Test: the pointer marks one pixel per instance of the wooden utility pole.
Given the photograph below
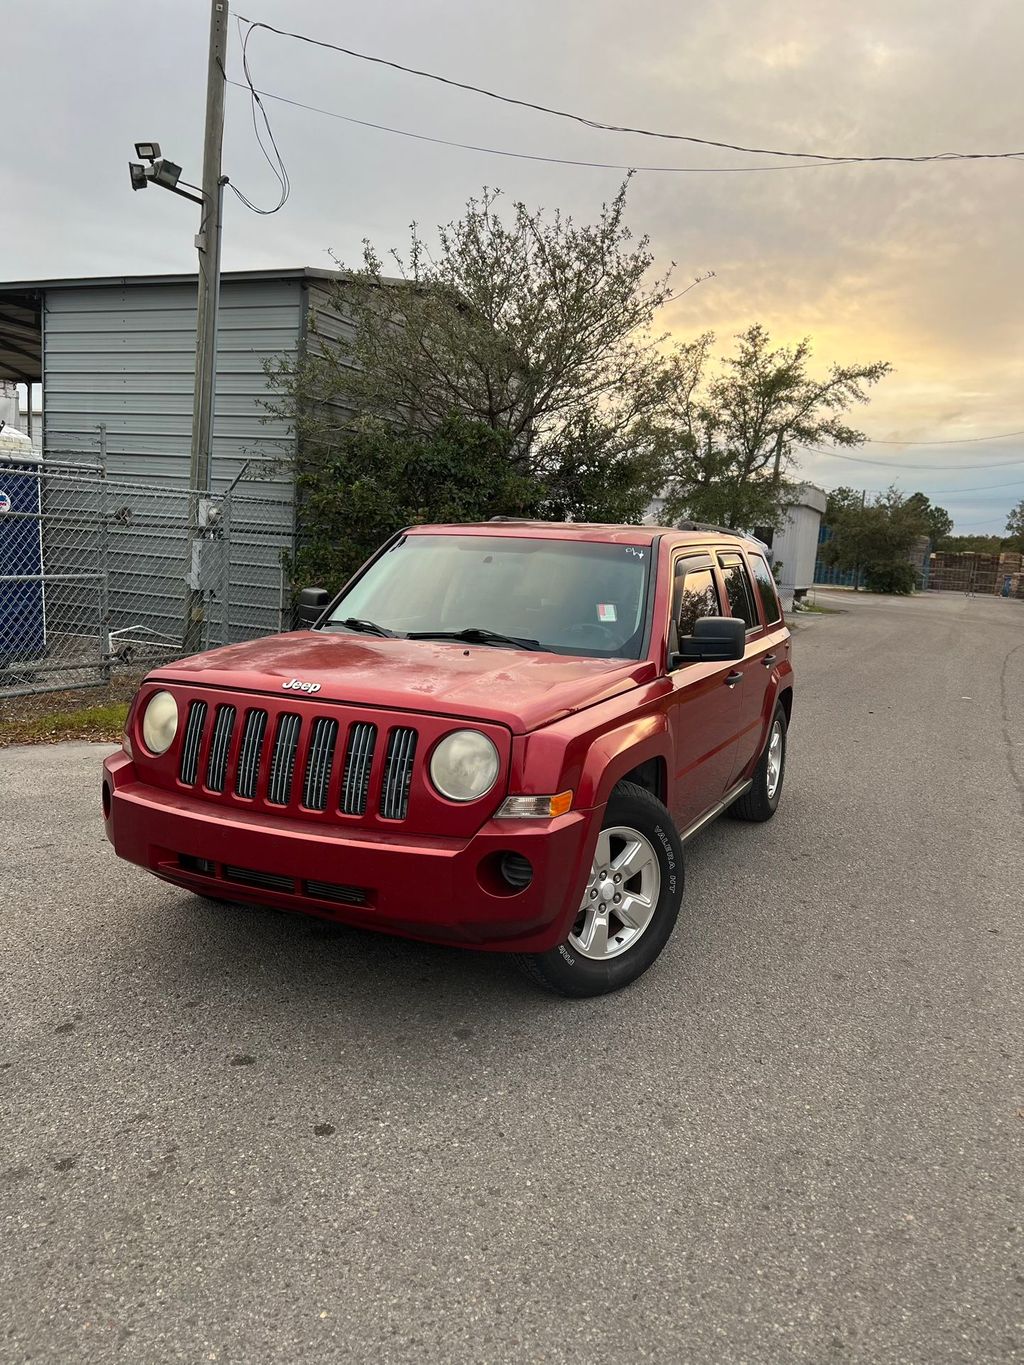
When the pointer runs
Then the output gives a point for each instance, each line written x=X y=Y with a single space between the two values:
x=208 y=247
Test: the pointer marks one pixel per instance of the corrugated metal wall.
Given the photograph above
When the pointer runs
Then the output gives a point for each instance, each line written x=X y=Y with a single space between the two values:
x=124 y=356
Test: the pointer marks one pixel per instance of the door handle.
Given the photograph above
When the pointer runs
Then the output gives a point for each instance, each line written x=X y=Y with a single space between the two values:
x=731 y=679
x=768 y=660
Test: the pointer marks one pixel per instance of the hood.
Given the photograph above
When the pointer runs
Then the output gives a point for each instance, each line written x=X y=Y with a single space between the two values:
x=519 y=689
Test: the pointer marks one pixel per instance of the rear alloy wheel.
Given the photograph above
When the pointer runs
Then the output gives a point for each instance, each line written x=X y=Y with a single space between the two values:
x=761 y=800
x=629 y=906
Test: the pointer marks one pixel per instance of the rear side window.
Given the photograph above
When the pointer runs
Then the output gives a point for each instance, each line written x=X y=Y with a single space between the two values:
x=766 y=587
x=739 y=590
x=695 y=595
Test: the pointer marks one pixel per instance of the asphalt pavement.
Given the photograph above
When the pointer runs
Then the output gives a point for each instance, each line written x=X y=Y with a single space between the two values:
x=244 y=1136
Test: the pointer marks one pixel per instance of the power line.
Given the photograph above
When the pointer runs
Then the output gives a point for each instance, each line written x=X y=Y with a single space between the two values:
x=963 y=441
x=614 y=127
x=275 y=162
x=897 y=464
x=532 y=156
x=954 y=492
x=981 y=488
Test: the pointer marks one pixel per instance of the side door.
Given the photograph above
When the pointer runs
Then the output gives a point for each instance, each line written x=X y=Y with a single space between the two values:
x=757 y=685
x=704 y=710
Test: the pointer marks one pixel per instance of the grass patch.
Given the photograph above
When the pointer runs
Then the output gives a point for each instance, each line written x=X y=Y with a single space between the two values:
x=820 y=611
x=88 y=722
x=95 y=713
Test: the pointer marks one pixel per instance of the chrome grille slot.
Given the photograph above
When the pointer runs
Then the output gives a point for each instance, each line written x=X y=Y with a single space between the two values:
x=355 y=784
x=282 y=759
x=217 y=763
x=191 y=743
x=250 y=753
x=318 y=763
x=394 y=796
x=270 y=881
x=333 y=891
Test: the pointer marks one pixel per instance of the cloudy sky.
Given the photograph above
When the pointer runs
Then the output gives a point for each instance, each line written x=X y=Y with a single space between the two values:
x=920 y=265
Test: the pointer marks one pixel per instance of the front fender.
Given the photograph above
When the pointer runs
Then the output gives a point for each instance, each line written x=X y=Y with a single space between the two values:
x=589 y=752
x=616 y=752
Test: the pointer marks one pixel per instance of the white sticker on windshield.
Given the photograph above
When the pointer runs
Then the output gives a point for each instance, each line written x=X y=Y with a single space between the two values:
x=606 y=611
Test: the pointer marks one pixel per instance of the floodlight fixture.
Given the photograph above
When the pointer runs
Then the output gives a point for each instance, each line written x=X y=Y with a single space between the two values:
x=160 y=171
x=165 y=173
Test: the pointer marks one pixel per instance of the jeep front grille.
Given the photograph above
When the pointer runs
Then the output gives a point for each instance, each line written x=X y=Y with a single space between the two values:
x=285 y=758
x=394 y=796
x=282 y=759
x=217 y=763
x=250 y=753
x=318 y=762
x=191 y=742
x=355 y=784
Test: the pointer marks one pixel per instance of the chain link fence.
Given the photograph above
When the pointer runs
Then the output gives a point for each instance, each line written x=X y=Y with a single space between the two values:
x=95 y=568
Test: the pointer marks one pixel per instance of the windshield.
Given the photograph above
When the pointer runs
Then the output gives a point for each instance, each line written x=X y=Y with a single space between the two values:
x=570 y=596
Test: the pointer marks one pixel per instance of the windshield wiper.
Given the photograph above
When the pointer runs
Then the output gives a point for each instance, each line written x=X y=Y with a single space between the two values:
x=367 y=627
x=476 y=635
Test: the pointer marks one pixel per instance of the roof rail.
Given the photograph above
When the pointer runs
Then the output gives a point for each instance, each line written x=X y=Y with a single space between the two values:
x=707 y=526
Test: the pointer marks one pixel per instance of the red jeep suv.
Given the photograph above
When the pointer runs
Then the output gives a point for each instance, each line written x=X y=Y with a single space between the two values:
x=497 y=735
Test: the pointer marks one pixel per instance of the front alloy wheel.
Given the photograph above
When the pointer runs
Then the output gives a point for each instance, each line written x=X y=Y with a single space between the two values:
x=629 y=906
x=621 y=896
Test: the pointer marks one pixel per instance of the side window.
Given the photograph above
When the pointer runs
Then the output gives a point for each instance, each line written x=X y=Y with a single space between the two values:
x=695 y=594
x=739 y=590
x=766 y=587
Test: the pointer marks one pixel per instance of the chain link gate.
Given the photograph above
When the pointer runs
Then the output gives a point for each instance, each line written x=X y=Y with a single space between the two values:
x=94 y=566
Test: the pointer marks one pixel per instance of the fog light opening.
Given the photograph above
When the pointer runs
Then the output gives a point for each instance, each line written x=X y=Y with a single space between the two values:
x=505 y=873
x=517 y=870
x=106 y=800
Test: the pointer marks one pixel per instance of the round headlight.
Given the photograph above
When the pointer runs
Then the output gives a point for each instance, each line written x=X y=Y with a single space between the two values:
x=464 y=765
x=160 y=722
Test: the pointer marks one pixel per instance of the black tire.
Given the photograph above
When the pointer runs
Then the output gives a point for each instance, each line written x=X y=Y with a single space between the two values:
x=756 y=804
x=565 y=969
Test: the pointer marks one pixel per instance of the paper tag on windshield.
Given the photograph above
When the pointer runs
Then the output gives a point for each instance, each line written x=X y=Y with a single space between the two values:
x=606 y=611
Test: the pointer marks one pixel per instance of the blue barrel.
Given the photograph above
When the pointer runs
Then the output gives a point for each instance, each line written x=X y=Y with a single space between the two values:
x=22 y=605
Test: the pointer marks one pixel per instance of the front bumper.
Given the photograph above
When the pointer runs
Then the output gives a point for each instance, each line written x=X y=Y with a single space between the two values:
x=446 y=890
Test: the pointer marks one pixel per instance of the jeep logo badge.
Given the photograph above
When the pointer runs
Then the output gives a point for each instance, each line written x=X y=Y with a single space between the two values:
x=297 y=686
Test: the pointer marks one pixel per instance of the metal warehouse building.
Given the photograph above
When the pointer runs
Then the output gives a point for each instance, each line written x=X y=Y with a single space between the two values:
x=116 y=361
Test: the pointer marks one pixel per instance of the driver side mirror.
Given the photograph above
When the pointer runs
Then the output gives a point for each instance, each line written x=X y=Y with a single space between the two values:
x=310 y=606
x=715 y=639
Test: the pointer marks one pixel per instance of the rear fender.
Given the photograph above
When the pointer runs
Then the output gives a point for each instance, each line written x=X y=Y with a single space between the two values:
x=782 y=680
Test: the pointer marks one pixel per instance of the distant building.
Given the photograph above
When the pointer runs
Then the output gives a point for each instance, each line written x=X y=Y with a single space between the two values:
x=794 y=547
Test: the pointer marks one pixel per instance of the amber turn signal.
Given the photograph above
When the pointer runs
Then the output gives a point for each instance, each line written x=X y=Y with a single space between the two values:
x=534 y=807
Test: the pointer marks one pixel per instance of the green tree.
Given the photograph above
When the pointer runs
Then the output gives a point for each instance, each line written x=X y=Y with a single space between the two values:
x=532 y=326
x=875 y=537
x=985 y=545
x=937 y=520
x=375 y=480
x=731 y=434
x=1015 y=527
